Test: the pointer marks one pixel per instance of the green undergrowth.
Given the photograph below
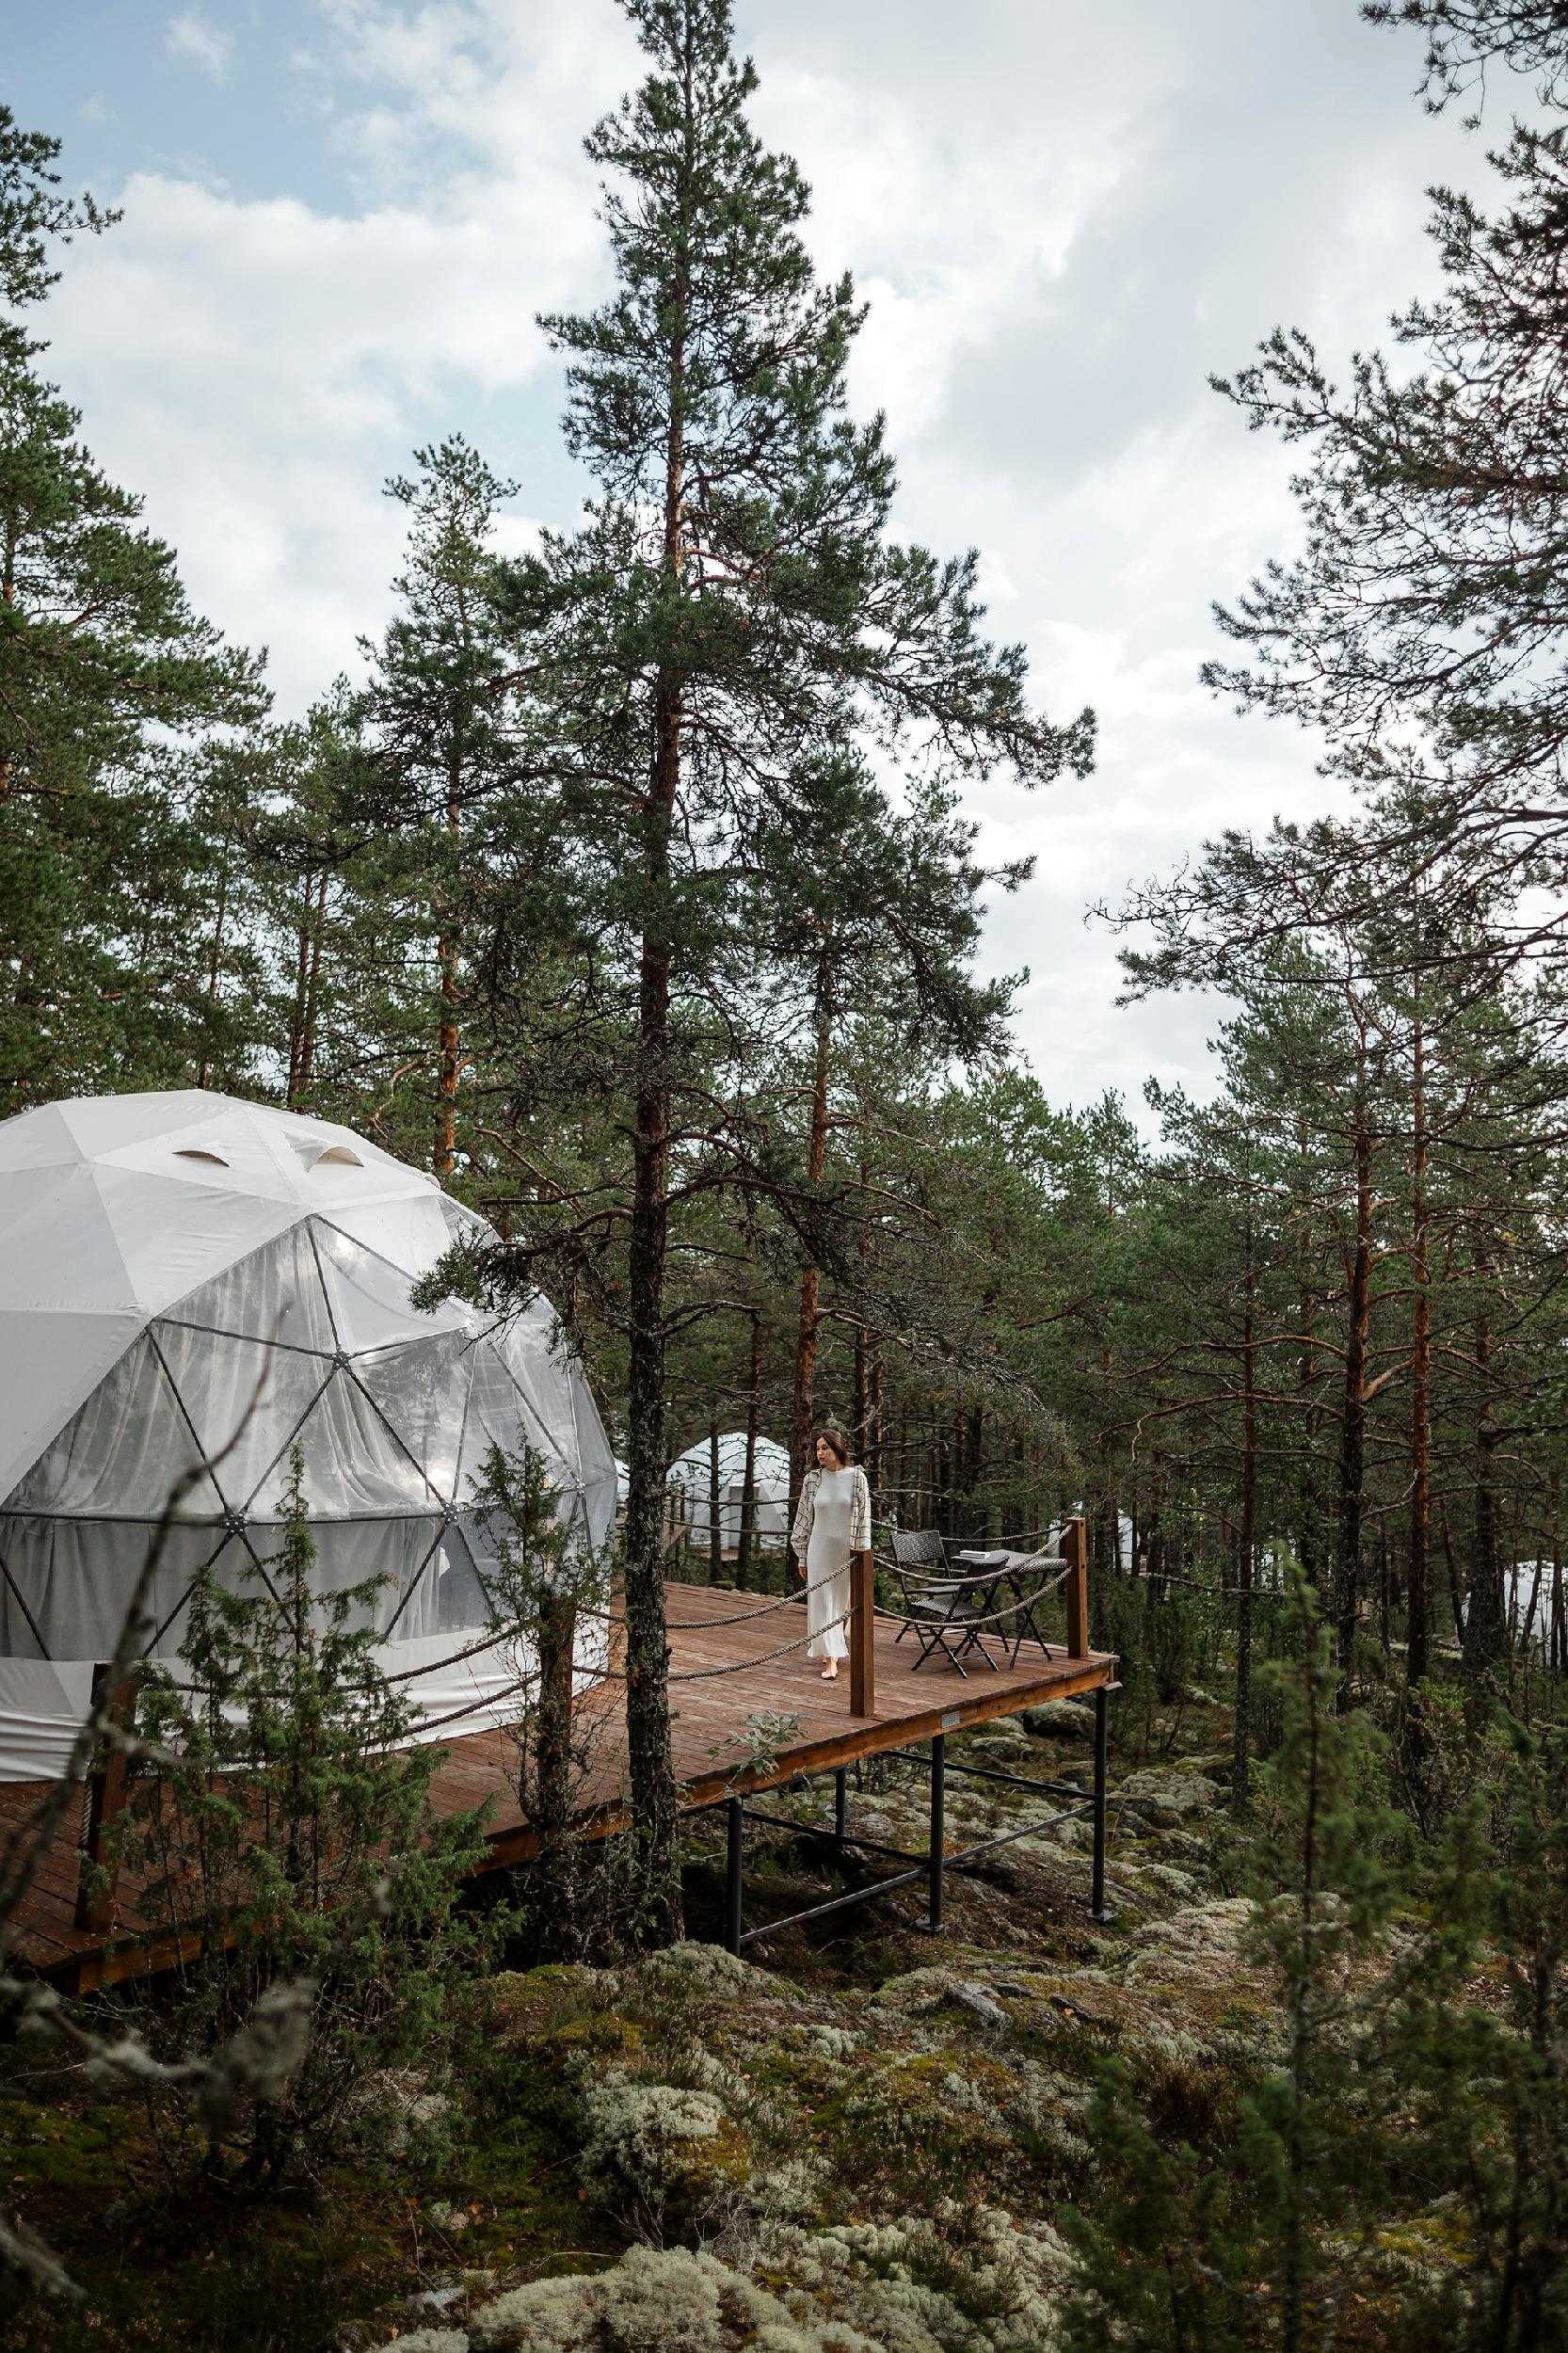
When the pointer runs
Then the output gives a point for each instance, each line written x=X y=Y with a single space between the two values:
x=174 y=2267
x=888 y=2139
x=693 y=2101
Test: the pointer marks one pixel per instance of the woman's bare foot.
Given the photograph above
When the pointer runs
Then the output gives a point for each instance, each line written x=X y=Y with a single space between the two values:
x=830 y=1672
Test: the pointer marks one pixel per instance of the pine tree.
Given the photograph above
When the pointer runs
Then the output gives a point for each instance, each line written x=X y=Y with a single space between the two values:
x=1421 y=626
x=105 y=675
x=1259 y=2240
x=451 y=781
x=731 y=608
x=281 y=1831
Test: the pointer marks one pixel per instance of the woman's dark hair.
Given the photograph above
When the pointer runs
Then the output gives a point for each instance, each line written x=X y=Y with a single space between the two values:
x=840 y=1444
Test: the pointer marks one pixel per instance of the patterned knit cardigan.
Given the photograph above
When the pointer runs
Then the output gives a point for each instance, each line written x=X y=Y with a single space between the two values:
x=859 y=1514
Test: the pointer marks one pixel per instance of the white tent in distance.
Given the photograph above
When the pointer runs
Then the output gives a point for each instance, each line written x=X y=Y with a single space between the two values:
x=690 y=1479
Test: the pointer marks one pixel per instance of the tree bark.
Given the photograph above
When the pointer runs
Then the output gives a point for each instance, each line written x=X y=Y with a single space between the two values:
x=1556 y=1650
x=215 y=968
x=873 y=1449
x=804 y=1395
x=748 y=1484
x=1483 y=1617
x=1418 y=1592
x=302 y=1044
x=647 y=1725
x=448 y=1041
x=649 y=1762
x=1242 y=1740
x=1353 y=1427
x=716 y=1521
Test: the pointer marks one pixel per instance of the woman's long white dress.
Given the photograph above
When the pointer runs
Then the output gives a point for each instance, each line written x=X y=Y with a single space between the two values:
x=833 y=1522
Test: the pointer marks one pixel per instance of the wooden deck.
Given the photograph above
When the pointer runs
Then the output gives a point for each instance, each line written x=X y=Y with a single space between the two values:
x=710 y=1714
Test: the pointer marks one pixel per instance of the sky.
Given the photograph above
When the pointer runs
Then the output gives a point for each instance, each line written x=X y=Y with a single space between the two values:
x=340 y=217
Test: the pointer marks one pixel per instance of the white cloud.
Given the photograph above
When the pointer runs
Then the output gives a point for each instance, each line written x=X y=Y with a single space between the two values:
x=1064 y=219
x=193 y=42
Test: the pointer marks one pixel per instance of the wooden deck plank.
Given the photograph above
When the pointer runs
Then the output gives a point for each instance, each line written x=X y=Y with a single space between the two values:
x=708 y=1712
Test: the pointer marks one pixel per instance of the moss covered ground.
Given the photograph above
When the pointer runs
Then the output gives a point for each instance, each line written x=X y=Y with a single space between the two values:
x=864 y=2137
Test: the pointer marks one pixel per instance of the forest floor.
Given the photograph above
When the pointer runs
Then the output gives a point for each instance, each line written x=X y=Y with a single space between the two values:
x=868 y=2138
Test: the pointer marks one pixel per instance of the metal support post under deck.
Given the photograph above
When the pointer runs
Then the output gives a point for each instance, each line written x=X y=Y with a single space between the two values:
x=1102 y=1712
x=932 y=1923
x=733 y=1856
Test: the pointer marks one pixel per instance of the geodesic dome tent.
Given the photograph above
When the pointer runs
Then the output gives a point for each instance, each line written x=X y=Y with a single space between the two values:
x=692 y=1472
x=170 y=1263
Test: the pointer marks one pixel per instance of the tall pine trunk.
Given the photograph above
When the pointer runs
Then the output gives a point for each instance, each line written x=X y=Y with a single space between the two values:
x=647 y=1718
x=1352 y=1426
x=1483 y=1616
x=649 y=1762
x=214 y=971
x=448 y=1041
x=1556 y=1649
x=1418 y=1595
x=302 y=1042
x=1246 y=1549
x=748 y=1484
x=803 y=1397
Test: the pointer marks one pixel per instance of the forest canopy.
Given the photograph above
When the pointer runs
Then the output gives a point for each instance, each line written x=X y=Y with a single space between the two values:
x=633 y=886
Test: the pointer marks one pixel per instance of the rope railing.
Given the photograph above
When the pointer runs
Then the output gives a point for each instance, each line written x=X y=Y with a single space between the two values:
x=953 y=1581
x=973 y=1626
x=735 y=1666
x=701 y=1626
x=947 y=1584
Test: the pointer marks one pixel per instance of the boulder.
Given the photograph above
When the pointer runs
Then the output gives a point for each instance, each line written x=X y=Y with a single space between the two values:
x=1204 y=1946
x=1060 y=1720
x=975 y=1999
x=997 y=1748
x=1180 y=1848
x=1166 y=1799
x=1165 y=1880
x=668 y=2299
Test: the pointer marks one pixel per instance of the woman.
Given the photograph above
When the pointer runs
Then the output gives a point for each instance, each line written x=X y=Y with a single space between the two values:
x=833 y=1522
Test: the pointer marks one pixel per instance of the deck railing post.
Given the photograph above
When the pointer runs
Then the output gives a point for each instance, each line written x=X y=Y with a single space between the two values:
x=105 y=1798
x=1075 y=1549
x=616 y=1658
x=734 y=1855
x=937 y=1855
x=1096 y=1891
x=862 y=1635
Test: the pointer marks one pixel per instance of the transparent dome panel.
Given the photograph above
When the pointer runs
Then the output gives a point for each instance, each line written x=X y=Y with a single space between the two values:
x=122 y=1453
x=423 y=1390
x=68 y=1584
x=462 y=1604
x=391 y=1566
x=274 y=1293
x=542 y=1368
x=356 y=1465
x=500 y=1415
x=245 y=1402
x=370 y=1297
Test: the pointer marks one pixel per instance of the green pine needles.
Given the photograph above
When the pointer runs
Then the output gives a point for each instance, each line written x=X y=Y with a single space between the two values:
x=548 y=1587
x=1391 y=2167
x=285 y=1848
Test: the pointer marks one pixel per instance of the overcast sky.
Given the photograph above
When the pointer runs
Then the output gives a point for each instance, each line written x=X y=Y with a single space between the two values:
x=342 y=215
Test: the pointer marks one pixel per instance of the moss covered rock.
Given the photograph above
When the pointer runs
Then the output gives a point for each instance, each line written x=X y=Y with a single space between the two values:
x=656 y=2300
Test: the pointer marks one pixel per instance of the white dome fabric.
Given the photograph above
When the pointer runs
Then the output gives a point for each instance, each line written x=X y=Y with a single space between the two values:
x=690 y=1472
x=170 y=1263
